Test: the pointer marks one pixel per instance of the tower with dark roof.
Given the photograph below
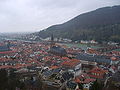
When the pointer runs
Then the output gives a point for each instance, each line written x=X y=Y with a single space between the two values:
x=55 y=49
x=52 y=41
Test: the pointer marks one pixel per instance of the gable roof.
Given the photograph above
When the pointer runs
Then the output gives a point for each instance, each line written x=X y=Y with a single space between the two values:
x=91 y=58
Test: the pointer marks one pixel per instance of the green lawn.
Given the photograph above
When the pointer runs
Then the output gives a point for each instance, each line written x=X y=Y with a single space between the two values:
x=116 y=50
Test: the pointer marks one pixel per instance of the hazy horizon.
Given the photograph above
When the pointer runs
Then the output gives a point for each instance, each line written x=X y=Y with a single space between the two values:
x=35 y=15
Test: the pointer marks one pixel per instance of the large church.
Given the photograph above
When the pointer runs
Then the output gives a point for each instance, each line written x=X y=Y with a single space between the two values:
x=56 y=49
x=5 y=46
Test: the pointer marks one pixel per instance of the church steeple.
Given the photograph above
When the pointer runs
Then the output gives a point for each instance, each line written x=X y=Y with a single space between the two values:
x=52 y=37
x=52 y=40
x=7 y=43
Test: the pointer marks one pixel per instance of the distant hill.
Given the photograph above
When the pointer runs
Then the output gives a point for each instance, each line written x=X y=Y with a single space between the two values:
x=103 y=24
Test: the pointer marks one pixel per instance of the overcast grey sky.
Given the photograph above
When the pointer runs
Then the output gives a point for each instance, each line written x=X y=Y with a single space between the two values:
x=35 y=15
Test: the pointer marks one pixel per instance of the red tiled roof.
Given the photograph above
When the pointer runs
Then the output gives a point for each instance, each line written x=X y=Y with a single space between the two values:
x=1 y=44
x=97 y=73
x=17 y=66
x=77 y=80
x=5 y=67
x=98 y=70
x=95 y=76
x=54 y=67
x=65 y=58
x=70 y=63
x=7 y=52
x=113 y=58
x=87 y=80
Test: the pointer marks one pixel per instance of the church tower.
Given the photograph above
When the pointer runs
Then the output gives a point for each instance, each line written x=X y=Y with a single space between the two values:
x=52 y=41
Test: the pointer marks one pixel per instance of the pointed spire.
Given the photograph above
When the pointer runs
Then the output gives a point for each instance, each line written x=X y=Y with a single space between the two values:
x=52 y=37
x=52 y=40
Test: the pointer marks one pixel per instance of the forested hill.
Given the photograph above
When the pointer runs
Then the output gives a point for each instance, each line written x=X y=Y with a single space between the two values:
x=102 y=24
